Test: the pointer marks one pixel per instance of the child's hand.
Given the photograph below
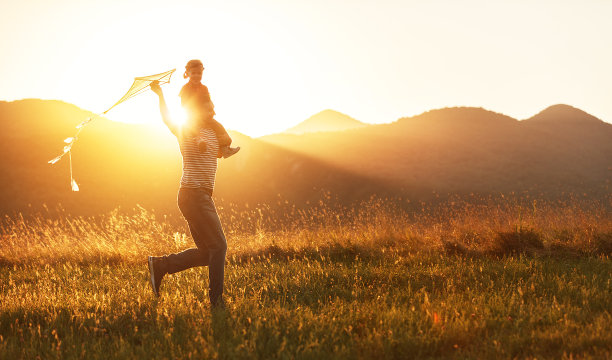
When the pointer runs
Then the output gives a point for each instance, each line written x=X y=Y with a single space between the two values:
x=202 y=146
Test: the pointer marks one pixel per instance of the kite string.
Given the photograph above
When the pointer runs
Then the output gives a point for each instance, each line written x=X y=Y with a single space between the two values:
x=70 y=162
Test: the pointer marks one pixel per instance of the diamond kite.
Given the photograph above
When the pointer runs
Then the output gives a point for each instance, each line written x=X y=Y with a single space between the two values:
x=140 y=85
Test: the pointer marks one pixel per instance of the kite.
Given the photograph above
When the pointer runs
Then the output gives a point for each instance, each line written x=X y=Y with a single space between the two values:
x=140 y=85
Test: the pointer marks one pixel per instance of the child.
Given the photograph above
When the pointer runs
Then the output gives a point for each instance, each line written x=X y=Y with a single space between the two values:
x=195 y=98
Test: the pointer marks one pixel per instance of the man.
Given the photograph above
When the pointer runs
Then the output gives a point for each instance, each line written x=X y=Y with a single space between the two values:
x=196 y=205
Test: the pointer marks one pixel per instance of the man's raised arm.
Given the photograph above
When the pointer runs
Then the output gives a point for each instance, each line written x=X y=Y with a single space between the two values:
x=163 y=108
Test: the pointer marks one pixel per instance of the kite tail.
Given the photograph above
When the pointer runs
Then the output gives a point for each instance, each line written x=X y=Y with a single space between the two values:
x=73 y=183
x=140 y=85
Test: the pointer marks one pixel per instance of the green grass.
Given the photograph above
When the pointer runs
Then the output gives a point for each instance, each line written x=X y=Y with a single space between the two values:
x=389 y=287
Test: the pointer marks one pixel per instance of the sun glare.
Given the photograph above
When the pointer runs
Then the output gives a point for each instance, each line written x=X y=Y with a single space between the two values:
x=258 y=96
x=179 y=116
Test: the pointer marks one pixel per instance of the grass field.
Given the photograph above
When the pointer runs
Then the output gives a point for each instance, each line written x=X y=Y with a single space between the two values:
x=501 y=279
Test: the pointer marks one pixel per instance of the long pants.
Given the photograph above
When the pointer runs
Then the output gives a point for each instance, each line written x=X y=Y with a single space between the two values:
x=198 y=208
x=222 y=136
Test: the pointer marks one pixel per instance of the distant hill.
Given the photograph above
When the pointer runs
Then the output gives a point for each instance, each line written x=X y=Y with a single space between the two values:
x=564 y=114
x=117 y=164
x=560 y=151
x=327 y=120
x=473 y=150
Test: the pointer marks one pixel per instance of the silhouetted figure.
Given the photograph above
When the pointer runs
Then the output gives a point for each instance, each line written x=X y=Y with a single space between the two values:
x=199 y=141
x=195 y=98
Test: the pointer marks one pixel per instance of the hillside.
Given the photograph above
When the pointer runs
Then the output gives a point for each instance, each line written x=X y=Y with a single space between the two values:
x=326 y=120
x=472 y=150
x=564 y=114
x=127 y=164
x=560 y=151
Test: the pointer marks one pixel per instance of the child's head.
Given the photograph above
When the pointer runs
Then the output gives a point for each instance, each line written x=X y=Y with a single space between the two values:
x=193 y=70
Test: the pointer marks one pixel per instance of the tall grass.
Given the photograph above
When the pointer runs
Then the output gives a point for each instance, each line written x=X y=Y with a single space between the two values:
x=494 y=227
x=493 y=278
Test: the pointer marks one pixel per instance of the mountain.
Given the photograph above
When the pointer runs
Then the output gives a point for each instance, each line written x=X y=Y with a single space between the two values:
x=326 y=120
x=442 y=152
x=473 y=150
x=118 y=164
x=564 y=114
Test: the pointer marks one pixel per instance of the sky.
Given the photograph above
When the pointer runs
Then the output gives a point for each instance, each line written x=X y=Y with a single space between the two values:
x=270 y=64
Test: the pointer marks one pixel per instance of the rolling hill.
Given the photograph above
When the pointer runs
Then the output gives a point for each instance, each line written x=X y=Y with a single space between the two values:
x=560 y=151
x=324 y=121
x=117 y=164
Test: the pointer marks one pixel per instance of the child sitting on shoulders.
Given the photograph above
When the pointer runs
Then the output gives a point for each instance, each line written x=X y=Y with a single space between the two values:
x=195 y=98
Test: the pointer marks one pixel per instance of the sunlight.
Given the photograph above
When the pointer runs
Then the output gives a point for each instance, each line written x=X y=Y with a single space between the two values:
x=179 y=116
x=263 y=95
x=255 y=95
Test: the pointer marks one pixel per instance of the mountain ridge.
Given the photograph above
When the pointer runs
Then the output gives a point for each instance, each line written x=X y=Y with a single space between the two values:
x=562 y=113
x=117 y=164
x=465 y=150
x=326 y=120
x=462 y=112
x=449 y=151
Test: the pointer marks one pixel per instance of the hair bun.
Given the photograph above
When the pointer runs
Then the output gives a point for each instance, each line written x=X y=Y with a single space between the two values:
x=194 y=63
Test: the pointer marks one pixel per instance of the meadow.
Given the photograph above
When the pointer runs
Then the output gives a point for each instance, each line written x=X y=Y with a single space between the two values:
x=487 y=278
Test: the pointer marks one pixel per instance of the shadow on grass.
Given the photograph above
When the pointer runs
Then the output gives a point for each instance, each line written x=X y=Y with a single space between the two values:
x=531 y=243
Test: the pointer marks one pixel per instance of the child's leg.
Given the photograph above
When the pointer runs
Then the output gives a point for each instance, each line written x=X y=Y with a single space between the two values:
x=224 y=140
x=222 y=136
x=227 y=151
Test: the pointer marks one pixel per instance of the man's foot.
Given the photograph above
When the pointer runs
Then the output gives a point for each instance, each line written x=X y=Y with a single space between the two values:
x=229 y=151
x=217 y=304
x=157 y=273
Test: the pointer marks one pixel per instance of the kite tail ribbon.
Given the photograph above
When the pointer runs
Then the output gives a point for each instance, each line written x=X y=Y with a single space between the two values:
x=140 y=85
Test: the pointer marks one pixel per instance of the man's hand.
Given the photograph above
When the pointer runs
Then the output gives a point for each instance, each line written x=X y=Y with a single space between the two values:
x=156 y=88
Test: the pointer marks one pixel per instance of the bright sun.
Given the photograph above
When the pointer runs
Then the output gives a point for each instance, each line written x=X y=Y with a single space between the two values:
x=179 y=116
x=251 y=102
x=254 y=82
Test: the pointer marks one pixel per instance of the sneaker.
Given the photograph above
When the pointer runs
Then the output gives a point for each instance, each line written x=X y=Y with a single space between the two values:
x=229 y=151
x=156 y=272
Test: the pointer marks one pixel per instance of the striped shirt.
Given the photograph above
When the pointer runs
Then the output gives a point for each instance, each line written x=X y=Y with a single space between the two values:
x=199 y=168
